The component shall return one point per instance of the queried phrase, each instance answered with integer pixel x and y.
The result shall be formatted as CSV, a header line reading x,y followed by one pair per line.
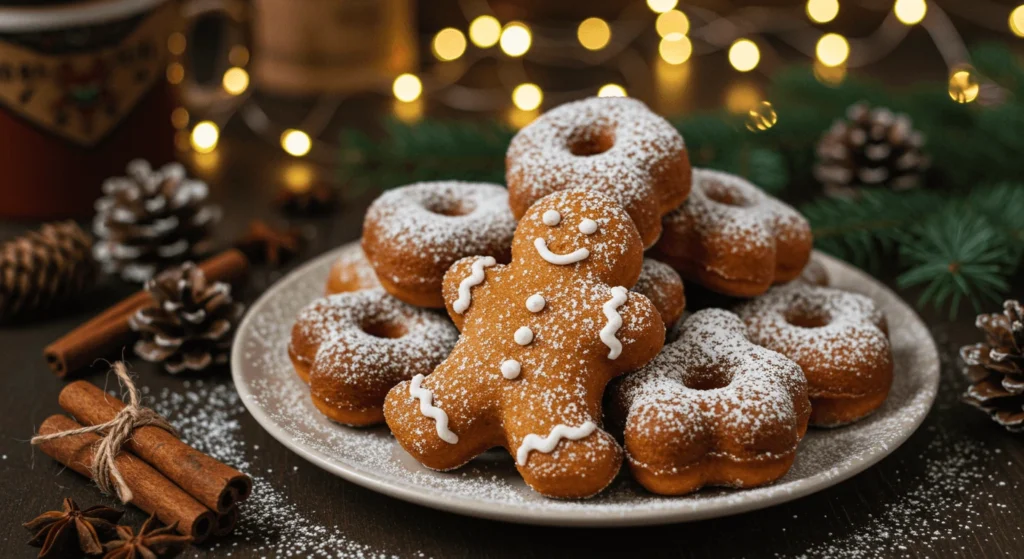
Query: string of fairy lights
x,y
681,34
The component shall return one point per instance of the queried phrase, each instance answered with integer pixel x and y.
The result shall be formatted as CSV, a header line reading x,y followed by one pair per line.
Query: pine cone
x,y
996,367
45,268
190,324
873,147
152,219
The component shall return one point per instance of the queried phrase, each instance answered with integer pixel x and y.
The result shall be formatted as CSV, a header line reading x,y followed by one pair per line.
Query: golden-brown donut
x,y
664,288
412,234
351,272
839,339
732,238
614,145
712,409
353,347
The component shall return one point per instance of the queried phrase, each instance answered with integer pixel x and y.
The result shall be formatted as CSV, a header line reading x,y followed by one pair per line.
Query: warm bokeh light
x,y
594,33
515,39
238,55
484,31
832,50
675,49
1017,21
175,73
296,142
205,136
407,87
298,177
611,90
741,97
910,12
518,118
176,43
822,11
661,6
449,44
761,117
236,81
527,96
179,118
963,86
672,82
672,22
408,112
744,55
829,75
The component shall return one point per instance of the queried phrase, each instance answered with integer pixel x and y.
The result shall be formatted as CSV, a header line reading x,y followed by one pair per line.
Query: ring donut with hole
x,y
351,272
734,239
351,348
412,234
712,408
839,339
614,145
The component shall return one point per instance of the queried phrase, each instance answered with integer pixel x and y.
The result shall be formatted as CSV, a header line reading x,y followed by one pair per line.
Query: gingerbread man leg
x,y
558,445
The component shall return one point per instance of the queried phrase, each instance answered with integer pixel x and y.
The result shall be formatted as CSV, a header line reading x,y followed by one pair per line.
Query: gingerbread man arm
x,y
641,334
466,278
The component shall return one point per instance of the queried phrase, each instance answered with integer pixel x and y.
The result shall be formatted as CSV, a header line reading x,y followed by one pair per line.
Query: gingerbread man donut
x,y
412,234
541,338
351,272
839,339
734,239
353,347
712,409
614,145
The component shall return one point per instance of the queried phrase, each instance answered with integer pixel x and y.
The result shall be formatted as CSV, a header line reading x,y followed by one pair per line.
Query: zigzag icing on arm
x,y
475,278
548,443
559,259
428,409
611,312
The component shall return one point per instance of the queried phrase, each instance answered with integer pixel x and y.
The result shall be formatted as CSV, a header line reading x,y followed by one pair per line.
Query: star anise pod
x,y
61,533
265,243
149,543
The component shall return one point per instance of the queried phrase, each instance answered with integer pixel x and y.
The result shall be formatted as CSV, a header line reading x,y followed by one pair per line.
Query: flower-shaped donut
x,y
353,347
838,338
614,145
711,409
732,238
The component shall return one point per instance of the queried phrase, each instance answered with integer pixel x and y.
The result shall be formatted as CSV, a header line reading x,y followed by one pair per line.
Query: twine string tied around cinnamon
x,y
114,434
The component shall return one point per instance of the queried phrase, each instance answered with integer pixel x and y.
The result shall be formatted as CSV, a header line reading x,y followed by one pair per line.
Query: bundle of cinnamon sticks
x,y
166,477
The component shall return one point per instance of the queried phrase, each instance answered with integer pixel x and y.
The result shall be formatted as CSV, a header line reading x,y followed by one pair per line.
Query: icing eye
x,y
588,226
535,302
523,335
551,218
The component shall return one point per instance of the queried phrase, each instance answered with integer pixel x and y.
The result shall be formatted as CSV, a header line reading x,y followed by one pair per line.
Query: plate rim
x,y
572,518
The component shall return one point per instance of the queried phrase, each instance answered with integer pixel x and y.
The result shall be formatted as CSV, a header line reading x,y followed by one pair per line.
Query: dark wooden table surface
x,y
953,490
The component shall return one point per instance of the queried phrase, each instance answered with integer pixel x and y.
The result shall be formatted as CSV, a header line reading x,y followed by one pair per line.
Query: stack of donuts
x,y
549,318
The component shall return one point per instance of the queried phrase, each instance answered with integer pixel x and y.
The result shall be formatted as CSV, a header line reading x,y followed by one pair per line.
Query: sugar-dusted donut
x,y
353,347
614,145
712,409
412,234
839,339
663,286
351,272
732,238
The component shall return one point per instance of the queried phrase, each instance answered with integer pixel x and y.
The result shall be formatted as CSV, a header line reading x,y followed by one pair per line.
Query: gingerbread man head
x,y
541,338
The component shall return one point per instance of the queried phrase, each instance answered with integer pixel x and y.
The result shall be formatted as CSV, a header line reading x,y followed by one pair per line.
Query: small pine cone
x,y
874,147
996,367
45,268
152,219
190,324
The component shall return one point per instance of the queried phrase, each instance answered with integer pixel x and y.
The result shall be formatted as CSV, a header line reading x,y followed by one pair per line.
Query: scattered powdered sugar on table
x,y
281,402
207,415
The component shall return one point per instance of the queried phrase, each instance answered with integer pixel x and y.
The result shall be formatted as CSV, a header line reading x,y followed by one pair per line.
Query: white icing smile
x,y
559,259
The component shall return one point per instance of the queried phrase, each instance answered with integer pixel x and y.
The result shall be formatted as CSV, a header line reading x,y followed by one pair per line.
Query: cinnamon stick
x,y
213,483
226,522
108,332
152,492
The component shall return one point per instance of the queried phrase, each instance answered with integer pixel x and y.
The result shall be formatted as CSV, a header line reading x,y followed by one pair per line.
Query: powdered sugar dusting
x,y
280,401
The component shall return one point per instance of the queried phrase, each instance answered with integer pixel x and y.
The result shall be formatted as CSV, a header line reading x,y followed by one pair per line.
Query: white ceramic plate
x,y
490,487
